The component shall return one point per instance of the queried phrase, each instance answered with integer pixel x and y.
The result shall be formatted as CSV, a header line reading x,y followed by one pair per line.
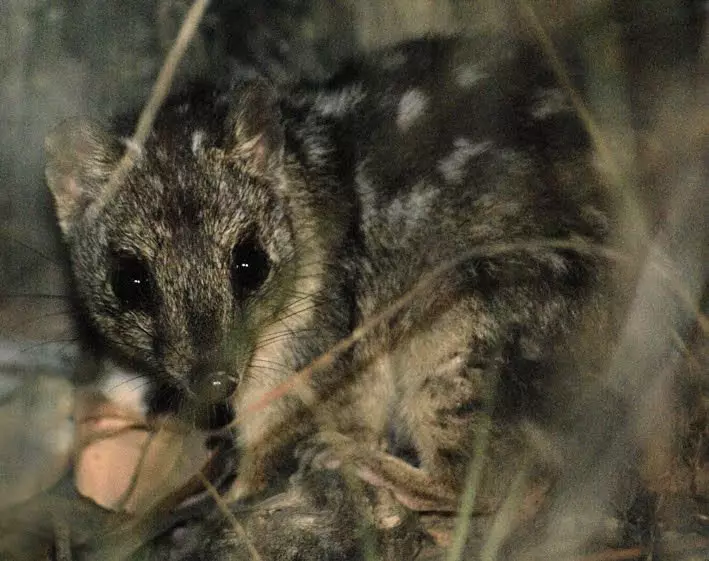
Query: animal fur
x,y
402,163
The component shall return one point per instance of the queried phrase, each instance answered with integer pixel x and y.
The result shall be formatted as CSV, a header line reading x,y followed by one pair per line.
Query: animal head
x,y
188,267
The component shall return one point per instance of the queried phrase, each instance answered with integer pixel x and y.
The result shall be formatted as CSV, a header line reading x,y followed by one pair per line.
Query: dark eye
x,y
249,267
131,282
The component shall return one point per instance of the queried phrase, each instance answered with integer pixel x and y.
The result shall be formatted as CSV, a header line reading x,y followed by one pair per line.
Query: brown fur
x,y
354,190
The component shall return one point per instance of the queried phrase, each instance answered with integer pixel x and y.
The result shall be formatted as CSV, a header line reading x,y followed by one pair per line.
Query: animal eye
x,y
132,283
249,268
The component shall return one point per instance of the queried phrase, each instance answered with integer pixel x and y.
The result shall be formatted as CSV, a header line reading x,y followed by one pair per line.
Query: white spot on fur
x,y
161,154
366,193
317,149
197,141
452,167
411,106
468,75
404,214
547,102
339,103
408,212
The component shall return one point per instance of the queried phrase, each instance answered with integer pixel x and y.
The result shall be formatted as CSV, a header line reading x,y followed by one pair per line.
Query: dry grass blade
x,y
157,96
472,484
615,171
578,103
134,480
506,517
224,509
295,383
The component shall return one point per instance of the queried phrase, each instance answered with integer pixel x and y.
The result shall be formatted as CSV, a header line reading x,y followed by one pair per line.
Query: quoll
x,y
262,225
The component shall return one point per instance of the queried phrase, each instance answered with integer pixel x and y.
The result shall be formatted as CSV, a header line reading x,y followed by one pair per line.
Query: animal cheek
x,y
131,335
175,370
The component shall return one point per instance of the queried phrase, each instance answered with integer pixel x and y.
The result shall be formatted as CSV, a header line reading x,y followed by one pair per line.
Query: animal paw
x,y
324,450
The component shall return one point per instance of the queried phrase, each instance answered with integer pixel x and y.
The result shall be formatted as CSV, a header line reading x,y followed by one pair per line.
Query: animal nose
x,y
214,387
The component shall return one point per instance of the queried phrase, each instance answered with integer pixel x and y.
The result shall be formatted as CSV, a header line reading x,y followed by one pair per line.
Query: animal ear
x,y
256,127
80,159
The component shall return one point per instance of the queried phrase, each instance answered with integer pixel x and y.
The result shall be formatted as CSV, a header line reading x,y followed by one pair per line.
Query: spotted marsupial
x,y
259,227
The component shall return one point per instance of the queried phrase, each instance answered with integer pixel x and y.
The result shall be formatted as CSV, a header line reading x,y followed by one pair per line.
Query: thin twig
x,y
424,284
470,493
128,493
161,88
562,76
294,382
88,440
610,164
229,515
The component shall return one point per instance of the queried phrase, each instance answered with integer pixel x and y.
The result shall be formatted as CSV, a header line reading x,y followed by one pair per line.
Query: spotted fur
x,y
401,163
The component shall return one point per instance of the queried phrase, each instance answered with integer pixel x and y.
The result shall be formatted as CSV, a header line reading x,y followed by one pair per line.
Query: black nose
x,y
214,387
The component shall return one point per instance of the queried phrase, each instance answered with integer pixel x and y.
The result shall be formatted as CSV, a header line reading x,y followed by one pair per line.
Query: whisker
x,y
41,344
140,327
129,380
272,339
290,331
281,335
135,347
145,384
29,321
282,370
31,248
319,297
321,292
300,297
295,312
267,361
317,294
38,295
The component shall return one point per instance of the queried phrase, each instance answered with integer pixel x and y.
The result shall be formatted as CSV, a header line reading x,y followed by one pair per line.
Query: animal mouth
x,y
214,416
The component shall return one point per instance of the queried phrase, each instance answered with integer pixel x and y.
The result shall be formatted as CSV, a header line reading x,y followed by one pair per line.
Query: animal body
x,y
259,227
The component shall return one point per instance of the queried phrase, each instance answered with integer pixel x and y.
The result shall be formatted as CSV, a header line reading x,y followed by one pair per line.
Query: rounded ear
x,y
80,159
256,129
